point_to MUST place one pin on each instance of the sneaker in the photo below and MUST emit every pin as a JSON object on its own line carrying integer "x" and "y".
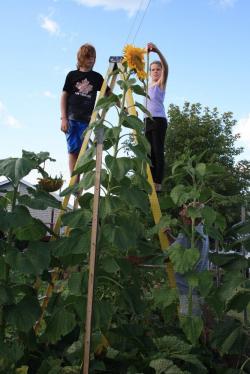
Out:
{"x": 158, "y": 187}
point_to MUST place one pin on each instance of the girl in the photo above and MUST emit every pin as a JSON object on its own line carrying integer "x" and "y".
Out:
{"x": 157, "y": 125}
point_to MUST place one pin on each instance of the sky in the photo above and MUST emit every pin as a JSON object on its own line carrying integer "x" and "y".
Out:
{"x": 206, "y": 44}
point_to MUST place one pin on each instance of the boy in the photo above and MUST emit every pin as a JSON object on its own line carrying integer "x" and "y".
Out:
{"x": 78, "y": 100}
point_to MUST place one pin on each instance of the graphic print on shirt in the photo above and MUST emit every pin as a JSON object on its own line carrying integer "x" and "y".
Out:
{"x": 84, "y": 88}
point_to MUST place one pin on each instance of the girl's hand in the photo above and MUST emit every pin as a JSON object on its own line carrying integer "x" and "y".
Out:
{"x": 151, "y": 47}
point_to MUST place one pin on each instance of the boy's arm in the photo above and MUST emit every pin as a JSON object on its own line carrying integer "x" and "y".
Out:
{"x": 64, "y": 117}
{"x": 163, "y": 80}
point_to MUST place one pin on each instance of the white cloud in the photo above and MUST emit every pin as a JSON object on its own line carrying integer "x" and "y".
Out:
{"x": 130, "y": 6}
{"x": 49, "y": 94}
{"x": 7, "y": 119}
{"x": 224, "y": 3}
{"x": 49, "y": 25}
{"x": 243, "y": 128}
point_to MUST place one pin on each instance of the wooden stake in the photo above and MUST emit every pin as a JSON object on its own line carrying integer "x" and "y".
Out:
{"x": 92, "y": 258}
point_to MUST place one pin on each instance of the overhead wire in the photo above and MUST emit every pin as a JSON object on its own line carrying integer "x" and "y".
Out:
{"x": 130, "y": 33}
{"x": 134, "y": 21}
{"x": 142, "y": 19}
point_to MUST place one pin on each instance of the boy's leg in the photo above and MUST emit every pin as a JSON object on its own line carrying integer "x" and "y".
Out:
{"x": 74, "y": 141}
{"x": 72, "y": 161}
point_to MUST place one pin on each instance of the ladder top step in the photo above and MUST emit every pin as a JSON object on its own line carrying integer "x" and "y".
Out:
{"x": 115, "y": 59}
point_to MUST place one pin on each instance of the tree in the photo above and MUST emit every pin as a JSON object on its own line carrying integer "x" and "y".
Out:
{"x": 202, "y": 131}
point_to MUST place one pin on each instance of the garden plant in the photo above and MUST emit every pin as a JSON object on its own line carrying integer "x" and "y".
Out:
{"x": 136, "y": 325}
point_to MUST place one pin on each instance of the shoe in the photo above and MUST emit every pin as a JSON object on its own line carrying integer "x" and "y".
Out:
{"x": 158, "y": 187}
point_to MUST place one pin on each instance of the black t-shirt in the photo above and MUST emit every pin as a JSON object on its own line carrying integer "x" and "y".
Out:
{"x": 82, "y": 89}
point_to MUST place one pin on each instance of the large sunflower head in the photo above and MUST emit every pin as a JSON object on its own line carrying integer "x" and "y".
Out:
{"x": 134, "y": 57}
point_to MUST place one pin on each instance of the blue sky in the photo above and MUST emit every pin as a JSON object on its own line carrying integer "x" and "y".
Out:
{"x": 206, "y": 43}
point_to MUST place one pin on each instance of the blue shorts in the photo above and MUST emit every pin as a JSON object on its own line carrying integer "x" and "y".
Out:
{"x": 74, "y": 135}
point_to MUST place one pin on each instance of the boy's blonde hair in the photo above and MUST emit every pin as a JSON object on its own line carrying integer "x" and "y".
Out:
{"x": 86, "y": 50}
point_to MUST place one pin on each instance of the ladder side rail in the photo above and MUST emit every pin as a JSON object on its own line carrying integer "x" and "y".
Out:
{"x": 153, "y": 199}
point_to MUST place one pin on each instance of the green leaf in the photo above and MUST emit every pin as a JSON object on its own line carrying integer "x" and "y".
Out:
{"x": 138, "y": 90}
{"x": 164, "y": 296}
{"x": 10, "y": 353}
{"x": 78, "y": 283}
{"x": 22, "y": 370}
{"x": 34, "y": 231}
{"x": 131, "y": 297}
{"x": 164, "y": 366}
{"x": 201, "y": 169}
{"x": 109, "y": 205}
{"x": 40, "y": 200}
{"x": 118, "y": 237}
{"x": 140, "y": 152}
{"x": 183, "y": 260}
{"x": 103, "y": 311}
{"x": 34, "y": 260}
{"x": 230, "y": 340}
{"x": 209, "y": 215}
{"x": 112, "y": 133}
{"x": 24, "y": 314}
{"x": 193, "y": 212}
{"x": 16, "y": 168}
{"x": 133, "y": 122}
{"x": 143, "y": 142}
{"x": 228, "y": 260}
{"x": 172, "y": 345}
{"x": 87, "y": 181}
{"x": 40, "y": 157}
{"x": 179, "y": 194}
{"x": 110, "y": 265}
{"x": 206, "y": 282}
{"x": 143, "y": 109}
{"x": 85, "y": 159}
{"x": 192, "y": 327}
{"x": 116, "y": 232}
{"x": 239, "y": 301}
{"x": 135, "y": 198}
{"x": 119, "y": 167}
{"x": 6, "y": 296}
{"x": 141, "y": 183}
{"x": 19, "y": 217}
{"x": 2, "y": 268}
{"x": 59, "y": 325}
{"x": 78, "y": 242}
{"x": 107, "y": 102}
{"x": 78, "y": 218}
{"x": 192, "y": 359}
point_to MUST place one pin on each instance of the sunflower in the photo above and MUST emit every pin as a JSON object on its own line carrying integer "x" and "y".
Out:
{"x": 135, "y": 59}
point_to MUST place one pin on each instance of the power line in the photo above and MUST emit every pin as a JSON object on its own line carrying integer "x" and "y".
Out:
{"x": 134, "y": 21}
{"x": 143, "y": 16}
